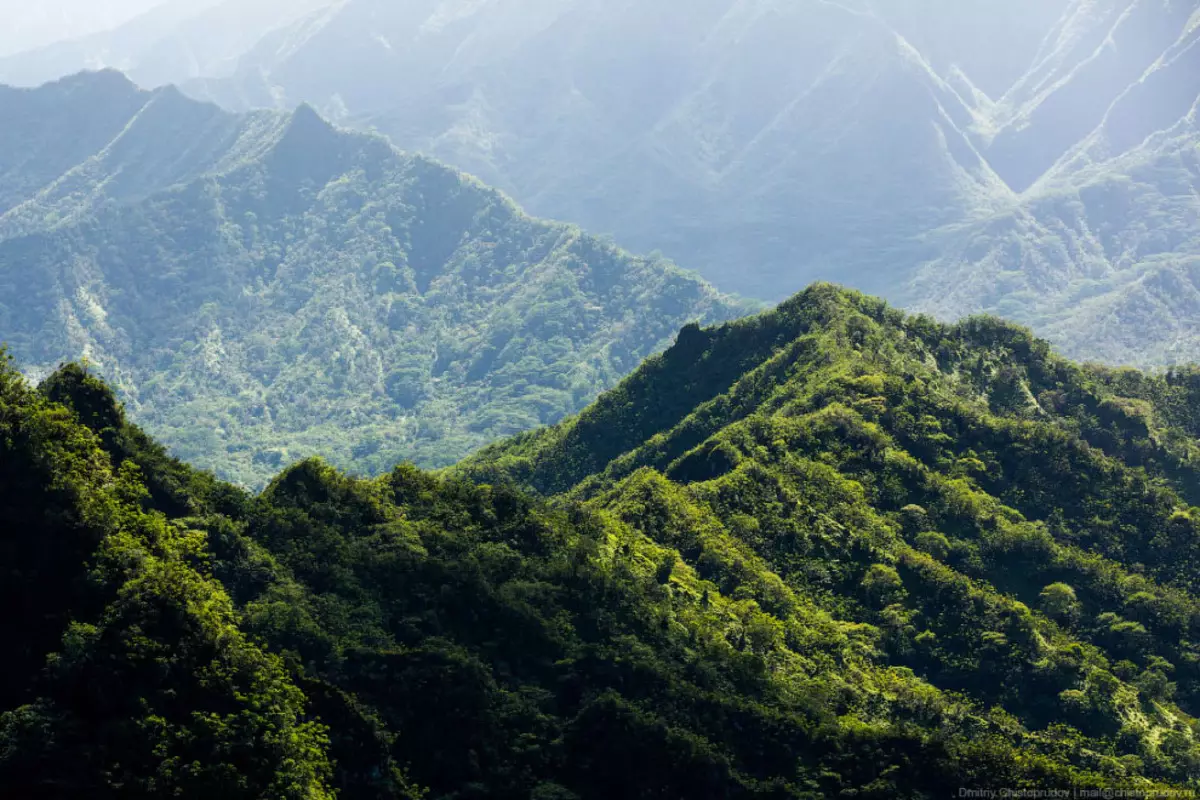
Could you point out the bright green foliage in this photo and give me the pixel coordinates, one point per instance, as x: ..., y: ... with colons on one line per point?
x: 261, y: 288
x: 127, y: 674
x: 934, y: 483
x: 828, y: 551
x: 1059, y: 602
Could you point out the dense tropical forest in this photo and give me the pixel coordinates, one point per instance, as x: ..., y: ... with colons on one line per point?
x: 329, y: 473
x: 264, y: 287
x: 1035, y: 159
x: 829, y: 550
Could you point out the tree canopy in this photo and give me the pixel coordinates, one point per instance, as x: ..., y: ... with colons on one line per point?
x: 829, y: 550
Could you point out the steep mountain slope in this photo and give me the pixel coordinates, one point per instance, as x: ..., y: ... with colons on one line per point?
x: 738, y: 133
x: 1016, y: 527
x: 937, y: 155
x: 1101, y: 251
x: 828, y: 551
x: 1035, y: 159
x: 263, y: 287
x: 126, y: 672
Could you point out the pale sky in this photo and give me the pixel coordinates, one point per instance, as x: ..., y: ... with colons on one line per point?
x: 33, y: 23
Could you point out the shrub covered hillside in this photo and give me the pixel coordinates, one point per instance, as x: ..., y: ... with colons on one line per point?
x: 264, y: 287
x: 1016, y: 530
x: 828, y: 551
x: 127, y: 670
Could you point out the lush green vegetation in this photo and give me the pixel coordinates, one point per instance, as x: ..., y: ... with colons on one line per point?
x: 1015, y: 529
x: 128, y: 673
x: 830, y: 550
x: 265, y: 287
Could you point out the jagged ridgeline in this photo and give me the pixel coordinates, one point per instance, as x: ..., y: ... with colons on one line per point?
x: 830, y: 550
x: 263, y: 287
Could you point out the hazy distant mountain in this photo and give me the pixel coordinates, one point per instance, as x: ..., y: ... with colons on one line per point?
x: 1101, y: 250
x: 265, y: 286
x: 765, y: 143
x: 175, y: 41
x: 1032, y: 157
x: 27, y: 25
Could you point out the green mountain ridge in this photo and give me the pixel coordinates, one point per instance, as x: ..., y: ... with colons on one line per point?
x: 830, y: 550
x: 262, y: 287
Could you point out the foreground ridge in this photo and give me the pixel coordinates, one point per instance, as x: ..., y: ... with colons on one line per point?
x: 830, y: 549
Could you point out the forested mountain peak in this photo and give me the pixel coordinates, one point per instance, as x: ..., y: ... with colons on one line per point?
x: 761, y: 365
x: 830, y: 549
x: 266, y: 285
x: 1006, y: 472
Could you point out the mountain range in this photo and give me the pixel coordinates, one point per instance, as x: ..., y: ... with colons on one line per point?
x: 264, y: 287
x: 327, y: 471
x: 1035, y: 159
x: 830, y: 550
